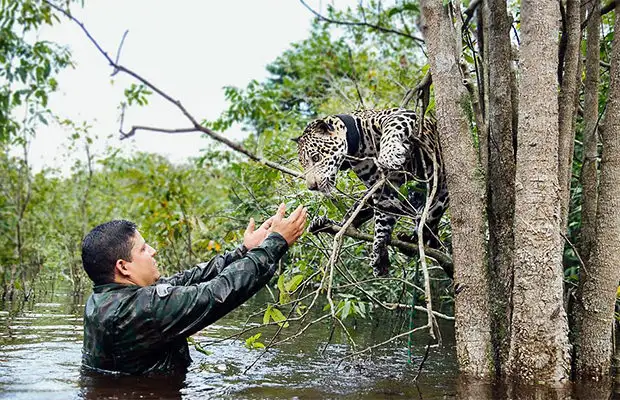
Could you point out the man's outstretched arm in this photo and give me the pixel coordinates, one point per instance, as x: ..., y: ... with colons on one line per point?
x: 204, y: 272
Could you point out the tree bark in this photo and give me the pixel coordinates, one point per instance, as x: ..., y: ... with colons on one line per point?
x: 589, y: 174
x: 539, y: 348
x: 466, y: 187
x: 601, y: 275
x: 501, y: 176
x: 567, y: 102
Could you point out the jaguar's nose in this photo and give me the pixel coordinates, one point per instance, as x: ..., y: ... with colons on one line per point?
x: 311, y: 182
x: 313, y: 185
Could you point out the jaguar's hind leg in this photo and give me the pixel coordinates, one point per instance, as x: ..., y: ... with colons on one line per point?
x: 379, y: 259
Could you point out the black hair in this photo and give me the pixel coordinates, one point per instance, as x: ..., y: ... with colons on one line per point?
x: 103, y: 246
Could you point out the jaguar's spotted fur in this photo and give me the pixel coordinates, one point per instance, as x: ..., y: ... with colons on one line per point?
x: 372, y: 142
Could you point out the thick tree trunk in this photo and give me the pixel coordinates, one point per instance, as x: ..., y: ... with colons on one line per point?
x: 589, y: 175
x: 567, y: 104
x: 601, y: 275
x: 500, y: 175
x: 466, y: 187
x: 539, y: 348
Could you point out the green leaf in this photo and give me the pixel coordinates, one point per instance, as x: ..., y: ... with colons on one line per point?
x: 267, y: 314
x: 252, y: 343
x: 277, y: 316
x: 293, y: 284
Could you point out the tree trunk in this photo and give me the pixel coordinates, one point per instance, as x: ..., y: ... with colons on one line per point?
x: 589, y: 175
x: 601, y: 275
x: 539, y: 348
x: 501, y: 176
x: 568, y: 96
x: 466, y: 187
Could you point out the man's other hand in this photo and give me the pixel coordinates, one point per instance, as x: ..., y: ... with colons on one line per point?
x: 292, y: 227
x: 252, y: 238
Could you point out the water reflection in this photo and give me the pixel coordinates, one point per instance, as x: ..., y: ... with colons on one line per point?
x: 98, y: 386
x: 472, y: 389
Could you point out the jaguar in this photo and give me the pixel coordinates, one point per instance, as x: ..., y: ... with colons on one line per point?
x: 376, y: 143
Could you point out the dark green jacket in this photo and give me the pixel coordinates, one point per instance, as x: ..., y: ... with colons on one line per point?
x: 141, y: 330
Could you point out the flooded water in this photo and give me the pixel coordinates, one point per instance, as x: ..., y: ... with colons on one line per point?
x: 40, y: 354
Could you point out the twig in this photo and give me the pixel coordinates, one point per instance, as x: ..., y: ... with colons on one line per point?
x: 301, y: 331
x: 135, y: 128
x: 176, y: 103
x: 394, y: 306
x: 428, y: 347
x: 382, y: 343
x: 363, y: 24
x: 421, y: 223
x: 424, y: 84
x: 118, y: 52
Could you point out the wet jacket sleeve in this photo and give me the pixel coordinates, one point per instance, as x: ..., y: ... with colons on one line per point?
x: 180, y: 311
x: 205, y: 271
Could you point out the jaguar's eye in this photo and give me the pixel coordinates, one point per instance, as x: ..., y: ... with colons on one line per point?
x: 315, y: 158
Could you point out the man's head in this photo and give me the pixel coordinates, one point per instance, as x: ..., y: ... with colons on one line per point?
x: 116, y: 252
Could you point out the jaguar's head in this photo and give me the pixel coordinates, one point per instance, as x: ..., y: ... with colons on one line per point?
x: 322, y: 149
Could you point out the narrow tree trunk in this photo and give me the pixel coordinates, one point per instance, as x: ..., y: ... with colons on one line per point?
x: 466, y: 187
x: 539, y: 349
x: 589, y: 175
x: 501, y: 176
x: 601, y: 275
x: 589, y: 172
x: 568, y: 95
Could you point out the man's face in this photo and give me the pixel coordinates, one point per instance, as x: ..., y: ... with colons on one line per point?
x: 142, y: 267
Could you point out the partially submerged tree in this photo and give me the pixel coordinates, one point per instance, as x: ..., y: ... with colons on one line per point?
x: 600, y: 276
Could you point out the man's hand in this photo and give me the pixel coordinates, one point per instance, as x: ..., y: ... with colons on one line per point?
x: 252, y: 238
x: 292, y: 227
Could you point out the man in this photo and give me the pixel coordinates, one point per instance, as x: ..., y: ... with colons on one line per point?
x: 137, y: 323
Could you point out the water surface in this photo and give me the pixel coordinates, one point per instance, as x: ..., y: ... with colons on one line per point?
x: 40, y: 354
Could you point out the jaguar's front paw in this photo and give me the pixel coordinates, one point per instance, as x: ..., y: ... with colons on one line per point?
x: 391, y: 162
x: 320, y: 224
x: 380, y: 263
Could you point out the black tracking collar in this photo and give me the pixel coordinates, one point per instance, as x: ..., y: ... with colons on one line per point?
x: 353, y: 134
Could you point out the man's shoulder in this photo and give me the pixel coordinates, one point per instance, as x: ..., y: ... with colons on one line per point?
x: 120, y: 301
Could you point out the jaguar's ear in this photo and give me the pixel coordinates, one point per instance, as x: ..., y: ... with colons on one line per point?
x: 323, y: 126
x: 295, y: 139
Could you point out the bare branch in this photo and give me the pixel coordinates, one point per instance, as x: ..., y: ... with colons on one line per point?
x: 363, y: 24
x: 437, y: 314
x: 117, y: 67
x: 120, y: 47
x: 132, y: 131
x: 424, y: 85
